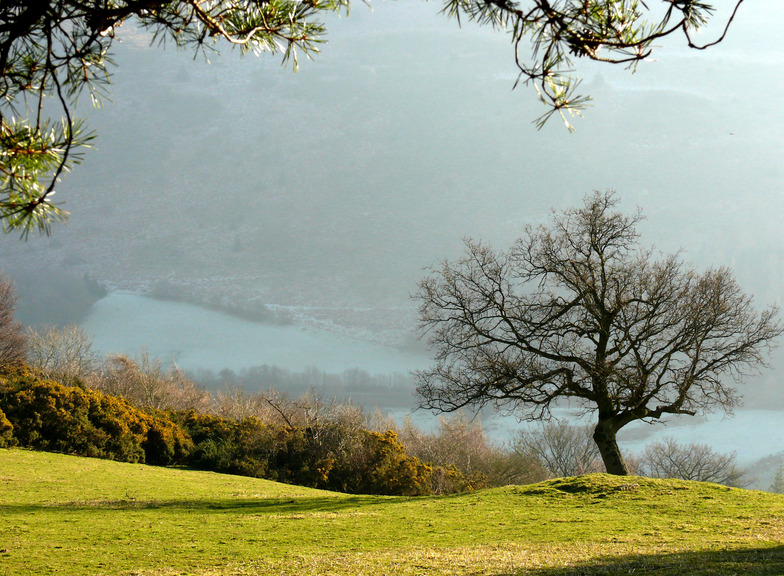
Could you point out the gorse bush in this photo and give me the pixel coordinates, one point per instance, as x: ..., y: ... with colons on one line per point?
x: 165, y: 443
x: 332, y: 453
x: 46, y: 415
x: 375, y: 463
x: 224, y: 445
x: 6, y: 432
x: 386, y: 468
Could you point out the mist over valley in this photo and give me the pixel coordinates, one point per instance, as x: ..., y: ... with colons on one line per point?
x: 313, y: 202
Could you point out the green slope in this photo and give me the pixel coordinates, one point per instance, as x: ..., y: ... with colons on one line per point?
x: 68, y: 515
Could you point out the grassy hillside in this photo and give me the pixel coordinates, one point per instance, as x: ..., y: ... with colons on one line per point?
x: 68, y: 515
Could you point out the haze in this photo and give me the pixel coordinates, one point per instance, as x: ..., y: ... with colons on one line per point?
x: 319, y: 197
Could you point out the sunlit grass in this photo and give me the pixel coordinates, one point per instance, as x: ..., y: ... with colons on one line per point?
x: 68, y: 515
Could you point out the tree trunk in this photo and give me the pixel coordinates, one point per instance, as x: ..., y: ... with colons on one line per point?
x: 604, y: 436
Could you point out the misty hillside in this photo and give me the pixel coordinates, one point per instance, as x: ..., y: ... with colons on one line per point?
x: 319, y: 197
x: 333, y: 187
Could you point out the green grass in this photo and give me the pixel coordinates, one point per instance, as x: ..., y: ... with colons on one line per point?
x: 68, y: 515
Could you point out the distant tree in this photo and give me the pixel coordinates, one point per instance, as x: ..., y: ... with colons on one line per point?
x: 668, y: 459
x: 58, y: 50
x: 458, y: 444
x: 62, y: 354
x: 577, y: 311
x: 778, y: 481
x: 146, y: 383
x: 561, y: 449
x: 12, y: 339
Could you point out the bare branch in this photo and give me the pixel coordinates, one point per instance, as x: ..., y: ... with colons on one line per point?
x: 578, y: 310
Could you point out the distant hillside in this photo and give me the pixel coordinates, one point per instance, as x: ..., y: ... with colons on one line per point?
x: 76, y: 516
x: 241, y: 182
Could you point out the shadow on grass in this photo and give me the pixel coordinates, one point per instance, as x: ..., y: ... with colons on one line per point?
x: 750, y: 561
x: 230, y: 505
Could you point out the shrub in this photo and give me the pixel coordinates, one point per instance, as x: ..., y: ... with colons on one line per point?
x: 390, y: 470
x: 166, y: 443
x: 225, y: 445
x: 450, y: 480
x: 49, y: 416
x: 6, y: 432
x: 327, y: 456
x: 461, y: 455
x: 669, y: 459
x: 379, y: 465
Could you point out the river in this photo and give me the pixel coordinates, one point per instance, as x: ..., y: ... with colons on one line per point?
x: 195, y: 337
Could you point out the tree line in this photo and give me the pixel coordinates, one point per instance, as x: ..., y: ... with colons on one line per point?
x: 134, y: 409
x: 573, y: 311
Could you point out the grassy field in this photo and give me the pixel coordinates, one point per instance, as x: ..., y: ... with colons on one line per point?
x: 71, y: 516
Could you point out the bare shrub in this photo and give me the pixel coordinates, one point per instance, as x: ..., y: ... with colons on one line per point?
x: 147, y: 384
x: 669, y: 459
x: 561, y: 449
x: 62, y: 354
x: 458, y: 441
x: 234, y: 402
x: 464, y: 457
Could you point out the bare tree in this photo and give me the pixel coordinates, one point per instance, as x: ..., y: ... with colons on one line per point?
x: 146, y: 383
x: 578, y: 311
x: 668, y: 459
x: 777, y: 486
x: 562, y: 449
x: 12, y: 339
x: 459, y: 441
x: 62, y: 353
x: 234, y: 402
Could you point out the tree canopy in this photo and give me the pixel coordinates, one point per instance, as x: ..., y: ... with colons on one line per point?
x: 579, y: 312
x: 60, y: 50
x: 55, y: 51
x: 548, y: 35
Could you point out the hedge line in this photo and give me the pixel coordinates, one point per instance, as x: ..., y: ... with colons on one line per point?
x: 44, y: 415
